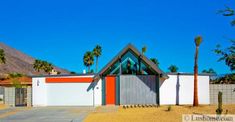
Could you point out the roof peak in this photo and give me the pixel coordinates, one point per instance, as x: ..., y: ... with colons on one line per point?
x: 130, y: 46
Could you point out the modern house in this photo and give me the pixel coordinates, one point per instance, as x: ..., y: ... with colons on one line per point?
x: 17, y: 91
x: 129, y: 78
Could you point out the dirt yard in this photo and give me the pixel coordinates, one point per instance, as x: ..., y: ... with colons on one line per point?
x: 152, y: 113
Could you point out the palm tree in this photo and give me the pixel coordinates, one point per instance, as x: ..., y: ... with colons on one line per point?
x: 88, y: 59
x: 37, y: 65
x: 2, y: 57
x: 47, y: 67
x: 173, y: 68
x: 144, y: 49
x: 97, y: 53
x: 128, y: 67
x: 155, y: 61
x: 197, y: 41
x: 42, y: 65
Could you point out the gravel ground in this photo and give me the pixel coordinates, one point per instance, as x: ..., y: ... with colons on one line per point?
x: 153, y: 114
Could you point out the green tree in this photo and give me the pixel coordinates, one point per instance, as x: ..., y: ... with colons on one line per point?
x: 197, y: 41
x: 211, y: 71
x: 88, y: 60
x: 144, y: 49
x: 228, y: 12
x: 225, y: 79
x: 155, y: 61
x: 173, y: 68
x: 37, y: 65
x: 16, y: 83
x: 227, y: 55
x: 45, y: 66
x: 2, y: 57
x: 97, y: 53
x: 15, y: 75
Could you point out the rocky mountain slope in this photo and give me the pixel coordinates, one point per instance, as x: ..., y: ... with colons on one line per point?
x: 19, y: 62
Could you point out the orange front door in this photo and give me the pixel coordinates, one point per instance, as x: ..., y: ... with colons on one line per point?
x: 110, y: 90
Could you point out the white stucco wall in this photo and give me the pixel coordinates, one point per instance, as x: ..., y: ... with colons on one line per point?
x: 168, y: 90
x: 77, y: 94
x: 69, y: 94
x: 66, y: 94
x: 39, y: 92
x: 98, y: 93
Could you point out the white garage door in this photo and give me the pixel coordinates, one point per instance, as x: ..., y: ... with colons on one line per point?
x: 69, y: 94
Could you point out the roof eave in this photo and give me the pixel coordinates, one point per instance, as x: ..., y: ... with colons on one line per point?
x: 143, y: 57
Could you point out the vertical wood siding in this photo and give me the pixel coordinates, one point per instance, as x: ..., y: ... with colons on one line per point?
x: 140, y: 89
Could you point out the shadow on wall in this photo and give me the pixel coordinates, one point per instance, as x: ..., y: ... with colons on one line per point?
x: 138, y: 89
x: 177, y: 86
x: 148, y: 80
x: 92, y: 86
x: 161, y: 82
x: 177, y: 89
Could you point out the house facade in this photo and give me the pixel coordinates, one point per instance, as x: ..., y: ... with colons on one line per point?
x: 129, y: 78
x: 16, y: 91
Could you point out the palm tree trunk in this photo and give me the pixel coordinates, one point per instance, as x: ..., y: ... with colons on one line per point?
x: 88, y: 69
x: 96, y: 64
x: 195, y: 93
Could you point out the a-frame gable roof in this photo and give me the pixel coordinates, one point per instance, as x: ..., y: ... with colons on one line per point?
x: 139, y: 54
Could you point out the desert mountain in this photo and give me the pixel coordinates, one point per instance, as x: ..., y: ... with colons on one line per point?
x: 19, y: 62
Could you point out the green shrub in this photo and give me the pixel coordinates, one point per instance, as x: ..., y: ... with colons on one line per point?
x: 169, y: 108
x: 219, y: 110
x: 1, y: 99
x: 15, y: 75
x: 72, y: 73
x: 226, y: 111
x: 16, y: 83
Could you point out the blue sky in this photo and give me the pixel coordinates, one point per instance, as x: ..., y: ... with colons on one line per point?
x: 62, y: 31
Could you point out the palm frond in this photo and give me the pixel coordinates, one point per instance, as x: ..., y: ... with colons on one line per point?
x: 97, y: 51
x: 198, y: 41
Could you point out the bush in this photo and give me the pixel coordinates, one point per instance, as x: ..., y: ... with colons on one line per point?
x: 15, y: 75
x: 16, y: 83
x: 169, y: 108
x: 58, y: 72
x: 1, y: 99
x: 4, y: 76
x: 72, y: 73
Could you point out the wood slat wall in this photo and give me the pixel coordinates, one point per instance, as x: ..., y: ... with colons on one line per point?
x: 140, y: 89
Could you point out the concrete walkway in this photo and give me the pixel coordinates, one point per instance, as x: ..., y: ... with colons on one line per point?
x: 45, y: 114
x: 106, y: 109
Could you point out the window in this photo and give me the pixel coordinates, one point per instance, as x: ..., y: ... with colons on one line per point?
x: 129, y: 65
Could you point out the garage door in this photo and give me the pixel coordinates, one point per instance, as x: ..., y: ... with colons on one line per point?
x: 69, y: 93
